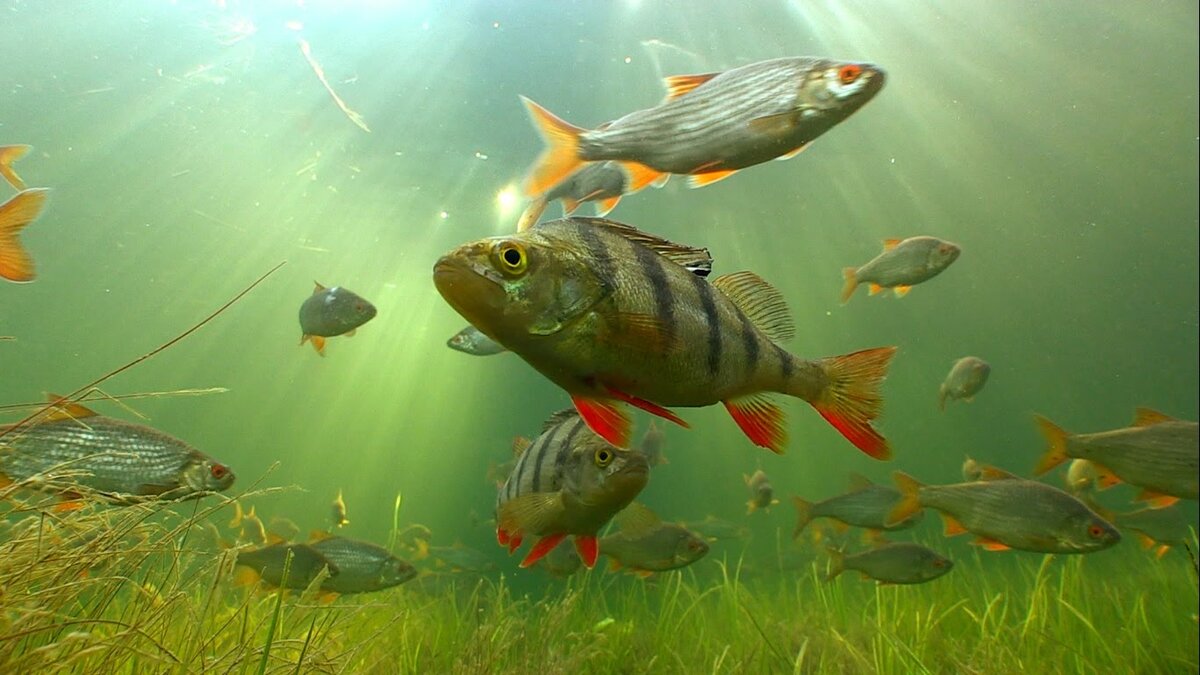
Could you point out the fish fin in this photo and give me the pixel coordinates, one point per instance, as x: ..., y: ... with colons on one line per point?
x: 990, y: 544
x: 781, y: 124
x: 859, y: 482
x: 558, y: 418
x: 520, y: 444
x: 588, y: 549
x: 1156, y: 500
x: 760, y: 419
x: 850, y: 274
x: 640, y: 176
x: 637, y: 519
x: 804, y: 515
x: 874, y: 289
x: 837, y: 564
x: 605, y: 205
x: 698, y: 261
x: 531, y: 512
x: 988, y: 472
x: 910, y: 499
x: 751, y: 507
x: 953, y: 528
x: 326, y: 597
x: 502, y: 536
x: 969, y: 399
x: 542, y: 547
x: 1146, y: 540
x: 1144, y: 417
x: 533, y: 210
x: 614, y: 565
x: 841, y: 527
x: 661, y: 181
x: 889, y: 244
x: 793, y: 152
x: 514, y: 542
x: 245, y: 576
x: 1056, y: 440
x: 560, y: 159
x: 902, y: 291
x: 318, y: 344
x: 1161, y: 551
x: 569, y: 205
x: 67, y: 505
x: 273, y: 539
x: 698, y: 180
x: 422, y: 550
x: 318, y: 535
x: 237, y: 514
x: 350, y: 333
x: 760, y: 302
x: 873, y: 537
x: 652, y: 408
x: 678, y: 85
x: 637, y: 332
x: 1105, y: 478
x: 642, y: 574
x: 850, y: 398
x: 23, y: 208
x: 8, y: 155
x: 317, y: 287
x: 66, y: 409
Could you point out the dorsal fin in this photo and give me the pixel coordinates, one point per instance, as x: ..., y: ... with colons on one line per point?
x: 988, y: 472
x: 558, y: 418
x: 637, y: 519
x: 519, y: 445
x: 859, y: 482
x: 678, y: 85
x: 318, y: 535
x: 698, y: 261
x: 889, y: 244
x: 1144, y: 417
x: 317, y: 287
x: 760, y: 302
x: 65, y: 409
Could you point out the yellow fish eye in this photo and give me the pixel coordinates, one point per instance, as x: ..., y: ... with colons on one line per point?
x: 604, y: 457
x: 511, y: 257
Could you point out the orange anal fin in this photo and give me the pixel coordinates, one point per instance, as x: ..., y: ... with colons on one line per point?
x: 542, y: 547
x: 614, y: 565
x: 840, y: 527
x: 605, y: 205
x: 502, y: 536
x: 588, y: 549
x: 15, y: 262
x: 1161, y: 551
x: 350, y: 333
x: 1146, y: 540
x: 605, y: 418
x: 901, y: 290
x: 761, y: 420
x: 652, y: 408
x: 514, y: 542
x: 318, y: 343
x: 244, y: 576
x: 569, y: 205
x: 874, y: 289
x: 1156, y: 500
x: 1105, y: 478
x: 561, y: 157
x: 698, y: 180
x: 644, y: 574
x: 953, y: 527
x: 990, y: 544
x: 640, y: 175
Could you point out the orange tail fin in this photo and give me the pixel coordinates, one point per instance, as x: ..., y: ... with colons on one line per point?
x: 850, y: 274
x: 850, y: 398
x: 804, y: 515
x: 8, y: 155
x: 561, y: 157
x: 910, y: 499
x: 1056, y: 439
x: 15, y: 214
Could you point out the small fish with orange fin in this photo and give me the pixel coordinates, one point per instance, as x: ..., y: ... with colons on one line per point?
x: 267, y: 564
x: 1157, y: 529
x: 902, y: 265
x: 965, y: 379
x: 899, y: 563
x: 644, y: 544
x: 1005, y: 512
x: 250, y: 526
x: 864, y: 505
x: 762, y: 494
x: 711, y: 125
x: 338, y: 511
x: 330, y: 312
x: 8, y: 155
x: 600, y: 182
x: 615, y: 315
x: 362, y: 567
x: 1157, y: 453
x: 16, y: 264
x: 568, y: 482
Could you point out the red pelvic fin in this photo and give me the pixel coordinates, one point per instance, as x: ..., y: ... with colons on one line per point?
x: 652, y: 408
x: 761, y: 420
x: 605, y: 418
x: 542, y: 547
x: 588, y: 549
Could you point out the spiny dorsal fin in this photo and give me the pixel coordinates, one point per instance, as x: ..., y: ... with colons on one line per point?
x: 637, y: 519
x: 558, y: 418
x: 698, y: 261
x: 1144, y: 417
x: 859, y: 482
x: 889, y: 244
x: 760, y: 302
x: 317, y: 287
x: 65, y: 409
x: 519, y: 445
x: 678, y: 85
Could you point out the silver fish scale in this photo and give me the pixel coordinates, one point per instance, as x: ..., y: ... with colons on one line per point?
x: 352, y: 556
x: 110, y: 455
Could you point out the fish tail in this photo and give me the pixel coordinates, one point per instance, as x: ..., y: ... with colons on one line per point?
x: 8, y: 155
x: 561, y: 156
x: 804, y: 515
x: 910, y: 499
x: 849, y: 398
x: 837, y: 564
x: 943, y: 391
x: 850, y: 274
x: 531, y: 214
x: 15, y: 262
x: 1056, y: 440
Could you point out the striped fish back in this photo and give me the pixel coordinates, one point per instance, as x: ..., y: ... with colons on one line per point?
x: 540, y: 467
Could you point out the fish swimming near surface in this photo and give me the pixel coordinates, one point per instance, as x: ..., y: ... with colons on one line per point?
x: 21, y: 209
x: 267, y: 564
x: 965, y: 379
x: 762, y: 495
x: 711, y: 125
x: 568, y: 482
x: 73, y: 451
x: 644, y: 544
x: 652, y: 445
x: 1157, y: 453
x: 338, y: 511
x: 865, y: 505
x: 902, y: 265
x: 1009, y: 513
x: 900, y: 563
x: 329, y: 312
x: 471, y: 341
x: 612, y: 314
x: 8, y: 155
x: 362, y: 567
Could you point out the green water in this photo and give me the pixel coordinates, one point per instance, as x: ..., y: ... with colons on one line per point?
x: 187, y: 155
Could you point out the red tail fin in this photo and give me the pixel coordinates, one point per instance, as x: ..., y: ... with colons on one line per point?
x: 850, y: 398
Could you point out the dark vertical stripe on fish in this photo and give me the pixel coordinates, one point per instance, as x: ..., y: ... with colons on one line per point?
x: 709, y: 306
x: 568, y: 444
x: 749, y: 342
x: 786, y: 367
x: 653, y: 267
x: 599, y: 250
x: 537, y: 463
x: 551, y: 443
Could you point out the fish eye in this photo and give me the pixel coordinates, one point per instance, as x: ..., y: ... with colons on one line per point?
x: 939, y: 563
x: 604, y: 457
x: 218, y: 471
x: 849, y: 73
x: 1095, y: 531
x: 511, y: 257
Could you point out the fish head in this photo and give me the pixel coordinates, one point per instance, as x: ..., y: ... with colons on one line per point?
x: 1086, y: 531
x: 346, y: 310
x: 515, y: 287
x: 395, y: 571
x: 838, y: 88
x: 603, y: 475
x: 689, y: 547
x: 205, y: 474
x: 935, y: 565
x: 941, y: 254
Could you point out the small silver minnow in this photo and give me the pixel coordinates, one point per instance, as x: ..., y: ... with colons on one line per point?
x: 965, y: 379
x: 471, y: 340
x: 902, y: 265
x: 891, y: 564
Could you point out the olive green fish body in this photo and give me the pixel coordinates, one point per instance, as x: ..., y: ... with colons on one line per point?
x: 334, y: 311
x: 900, y: 563
x: 965, y: 379
x: 665, y: 547
x: 867, y: 508
x: 603, y: 182
x: 268, y: 563
x: 717, y: 529
x: 362, y: 567
x: 461, y: 558
x: 1162, y: 457
x: 1165, y: 526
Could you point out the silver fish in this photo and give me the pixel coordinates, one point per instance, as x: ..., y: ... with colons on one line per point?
x: 965, y: 379
x: 902, y: 265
